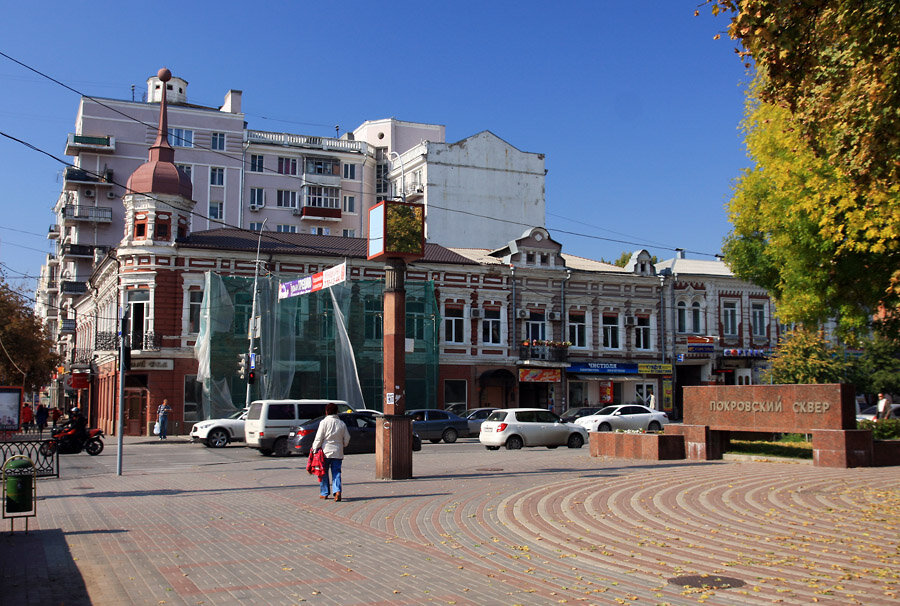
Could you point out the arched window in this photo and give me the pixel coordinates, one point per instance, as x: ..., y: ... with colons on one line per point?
x: 696, y: 318
x: 682, y: 317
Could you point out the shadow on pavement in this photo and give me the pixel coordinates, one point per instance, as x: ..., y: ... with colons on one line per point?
x: 38, y: 568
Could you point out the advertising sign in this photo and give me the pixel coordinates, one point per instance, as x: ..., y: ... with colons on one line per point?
x: 606, y: 392
x: 539, y: 375
x: 10, y: 407
x: 318, y: 281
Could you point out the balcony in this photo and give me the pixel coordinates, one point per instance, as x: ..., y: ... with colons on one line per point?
x: 75, y: 144
x: 322, y: 143
x: 81, y: 212
x: 83, y: 251
x: 49, y: 283
x: 75, y: 177
x: 53, y: 232
x: 73, y: 287
x: 317, y: 213
x: 414, y: 191
x: 66, y: 326
x: 545, y: 351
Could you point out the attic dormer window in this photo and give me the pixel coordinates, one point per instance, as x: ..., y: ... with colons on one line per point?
x: 545, y: 259
x: 529, y: 258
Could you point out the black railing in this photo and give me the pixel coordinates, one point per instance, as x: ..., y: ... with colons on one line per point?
x: 45, y: 466
x: 545, y: 352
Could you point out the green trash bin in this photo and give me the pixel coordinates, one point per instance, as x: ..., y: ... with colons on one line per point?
x: 19, y: 473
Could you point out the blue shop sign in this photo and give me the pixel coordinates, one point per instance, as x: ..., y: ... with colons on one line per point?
x: 604, y: 368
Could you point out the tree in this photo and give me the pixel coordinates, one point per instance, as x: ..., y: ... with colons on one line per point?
x: 624, y: 258
x: 26, y: 354
x: 803, y: 356
x: 877, y: 368
x: 823, y: 128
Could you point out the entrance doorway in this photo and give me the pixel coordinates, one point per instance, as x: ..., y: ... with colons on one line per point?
x: 135, y: 411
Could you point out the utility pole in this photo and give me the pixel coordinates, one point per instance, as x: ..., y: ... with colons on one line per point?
x: 254, y: 323
x: 120, y: 425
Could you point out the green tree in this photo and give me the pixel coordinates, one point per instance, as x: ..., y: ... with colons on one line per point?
x: 624, y: 258
x: 877, y: 368
x: 26, y: 354
x: 823, y: 129
x: 803, y: 356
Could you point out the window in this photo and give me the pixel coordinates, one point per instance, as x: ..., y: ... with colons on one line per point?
x: 286, y: 229
x: 643, y: 391
x: 454, y: 327
x: 285, y: 198
x: 217, y: 141
x: 322, y: 197
x: 349, y: 233
x: 216, y: 210
x: 257, y: 196
x: 729, y: 318
x: 682, y: 316
x: 536, y: 327
x: 323, y: 166
x: 349, y: 204
x: 696, y: 318
x: 195, y: 305
x: 415, y: 318
x: 287, y: 166
x: 642, y: 333
x: 162, y: 230
x: 256, y: 163
x: 140, y: 229
x: 490, y: 327
x: 373, y: 310
x: 350, y: 171
x: 216, y: 176
x: 320, y: 231
x: 257, y: 226
x: 611, y: 331
x: 454, y: 392
x: 181, y: 137
x: 758, y: 319
x: 529, y: 258
x: 193, y: 398
x: 577, y: 329
x: 186, y: 169
x: 381, y: 181
x: 139, y: 311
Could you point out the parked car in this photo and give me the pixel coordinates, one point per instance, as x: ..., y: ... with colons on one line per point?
x: 624, y: 416
x: 218, y: 433
x: 868, y: 414
x: 576, y: 413
x: 457, y: 408
x: 436, y: 425
x: 362, y: 434
x: 475, y: 417
x: 270, y: 421
x: 518, y: 427
x: 370, y: 411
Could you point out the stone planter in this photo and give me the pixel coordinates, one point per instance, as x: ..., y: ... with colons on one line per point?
x: 645, y: 446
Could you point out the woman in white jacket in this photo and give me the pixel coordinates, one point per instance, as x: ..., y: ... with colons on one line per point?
x: 331, y: 436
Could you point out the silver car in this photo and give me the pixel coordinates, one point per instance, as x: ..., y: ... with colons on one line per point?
x: 518, y: 427
x: 624, y: 416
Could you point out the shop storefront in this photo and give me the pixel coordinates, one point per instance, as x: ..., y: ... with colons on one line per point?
x: 601, y: 383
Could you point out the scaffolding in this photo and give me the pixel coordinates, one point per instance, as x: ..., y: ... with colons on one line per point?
x: 326, y: 344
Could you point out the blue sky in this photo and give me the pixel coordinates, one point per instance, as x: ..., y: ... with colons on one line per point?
x: 635, y: 105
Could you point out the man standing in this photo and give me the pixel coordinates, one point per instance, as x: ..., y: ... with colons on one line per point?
x: 162, y: 414
x: 884, y: 406
x: 331, y: 437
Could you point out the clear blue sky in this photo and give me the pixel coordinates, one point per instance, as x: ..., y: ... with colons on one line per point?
x: 634, y: 104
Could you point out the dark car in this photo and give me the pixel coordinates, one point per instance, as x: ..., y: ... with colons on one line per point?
x: 436, y: 425
x: 362, y: 434
x: 576, y: 413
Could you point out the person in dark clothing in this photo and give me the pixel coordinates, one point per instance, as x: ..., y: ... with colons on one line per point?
x: 40, y: 417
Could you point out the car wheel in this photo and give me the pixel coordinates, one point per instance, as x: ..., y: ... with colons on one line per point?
x: 449, y: 436
x: 217, y: 438
x: 417, y: 444
x: 654, y: 426
x: 280, y: 448
x: 575, y: 441
x: 434, y: 440
x: 492, y: 447
x: 514, y: 443
x: 604, y: 427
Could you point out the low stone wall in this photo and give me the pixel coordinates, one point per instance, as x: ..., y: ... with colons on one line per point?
x: 842, y: 447
x: 886, y: 453
x: 646, y: 446
x: 700, y: 442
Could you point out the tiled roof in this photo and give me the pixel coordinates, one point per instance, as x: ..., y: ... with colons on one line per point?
x: 695, y: 267
x: 483, y: 256
x: 230, y: 238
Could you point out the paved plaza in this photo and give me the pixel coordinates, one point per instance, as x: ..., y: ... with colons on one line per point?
x: 189, y: 525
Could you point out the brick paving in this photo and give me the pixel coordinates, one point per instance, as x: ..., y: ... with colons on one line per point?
x: 190, y: 525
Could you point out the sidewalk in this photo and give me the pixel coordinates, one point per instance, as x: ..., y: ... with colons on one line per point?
x: 191, y: 525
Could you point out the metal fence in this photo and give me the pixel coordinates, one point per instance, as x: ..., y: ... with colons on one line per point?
x: 46, y: 466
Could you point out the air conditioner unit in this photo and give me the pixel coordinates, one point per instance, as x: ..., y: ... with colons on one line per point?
x: 629, y: 321
x: 554, y: 316
x: 111, y: 195
x: 89, y: 193
x: 475, y: 313
x: 524, y: 314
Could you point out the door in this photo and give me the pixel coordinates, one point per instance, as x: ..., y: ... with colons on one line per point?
x: 135, y: 411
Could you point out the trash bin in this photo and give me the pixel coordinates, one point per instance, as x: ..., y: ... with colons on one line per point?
x: 19, y: 473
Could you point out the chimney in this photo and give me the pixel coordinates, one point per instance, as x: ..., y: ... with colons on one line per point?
x: 232, y: 103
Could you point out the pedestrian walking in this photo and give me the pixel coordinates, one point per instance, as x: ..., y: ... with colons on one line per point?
x: 332, y: 436
x: 55, y: 414
x: 651, y: 401
x: 162, y: 417
x: 40, y: 417
x: 884, y: 406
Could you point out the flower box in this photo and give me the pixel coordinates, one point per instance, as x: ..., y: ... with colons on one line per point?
x: 645, y: 446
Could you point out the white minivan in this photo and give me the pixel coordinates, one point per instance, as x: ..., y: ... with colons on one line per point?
x: 269, y: 421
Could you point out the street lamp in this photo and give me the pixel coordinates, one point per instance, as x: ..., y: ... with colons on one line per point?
x: 402, y: 175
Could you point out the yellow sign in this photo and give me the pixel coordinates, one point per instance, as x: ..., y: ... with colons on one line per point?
x: 655, y: 369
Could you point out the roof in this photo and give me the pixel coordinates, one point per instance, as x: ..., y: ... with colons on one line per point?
x: 484, y: 257
x: 231, y: 238
x: 695, y: 267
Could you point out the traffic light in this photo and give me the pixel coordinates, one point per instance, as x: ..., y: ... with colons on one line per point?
x: 251, y: 377
x: 242, y: 365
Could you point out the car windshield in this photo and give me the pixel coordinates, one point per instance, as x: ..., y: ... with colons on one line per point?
x: 608, y: 410
x: 871, y: 410
x: 237, y: 414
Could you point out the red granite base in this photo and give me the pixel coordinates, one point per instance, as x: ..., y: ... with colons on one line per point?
x: 886, y: 453
x: 700, y: 442
x: 842, y: 448
x: 645, y: 446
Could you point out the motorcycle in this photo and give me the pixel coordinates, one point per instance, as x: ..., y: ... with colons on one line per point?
x: 66, y: 441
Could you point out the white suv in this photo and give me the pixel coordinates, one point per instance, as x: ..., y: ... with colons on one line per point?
x: 217, y: 433
x: 518, y: 427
